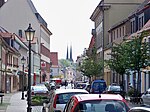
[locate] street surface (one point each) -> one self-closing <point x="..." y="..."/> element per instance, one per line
<point x="15" y="104"/>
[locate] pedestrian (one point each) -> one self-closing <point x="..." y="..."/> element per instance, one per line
<point x="65" y="83"/>
<point x="71" y="84"/>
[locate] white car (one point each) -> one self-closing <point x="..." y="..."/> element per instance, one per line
<point x="146" y="97"/>
<point x="59" y="98"/>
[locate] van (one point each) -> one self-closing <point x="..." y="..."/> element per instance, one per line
<point x="98" y="86"/>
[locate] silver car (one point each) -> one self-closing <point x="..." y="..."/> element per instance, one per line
<point x="146" y="97"/>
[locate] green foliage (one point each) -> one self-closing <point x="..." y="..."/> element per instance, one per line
<point x="91" y="66"/>
<point x="130" y="55"/>
<point x="64" y="63"/>
<point x="139" y="55"/>
<point x="38" y="100"/>
<point x="131" y="92"/>
<point x="119" y="57"/>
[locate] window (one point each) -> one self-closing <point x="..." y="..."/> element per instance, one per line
<point x="123" y="31"/>
<point x="20" y="33"/>
<point x="140" y="21"/>
<point x="111" y="37"/>
<point x="120" y="32"/>
<point x="114" y="35"/>
<point x="117" y="33"/>
<point x="133" y="25"/>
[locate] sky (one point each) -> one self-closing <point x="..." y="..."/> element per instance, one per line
<point x="70" y="24"/>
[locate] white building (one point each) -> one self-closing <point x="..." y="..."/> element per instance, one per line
<point x="15" y="16"/>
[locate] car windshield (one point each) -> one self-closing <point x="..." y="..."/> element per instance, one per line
<point x="115" y="88"/>
<point x="103" y="105"/>
<point x="63" y="98"/>
<point x="39" y="88"/>
<point x="99" y="85"/>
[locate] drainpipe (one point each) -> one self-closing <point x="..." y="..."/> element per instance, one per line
<point x="0" y="66"/>
<point x="6" y="64"/>
<point x="103" y="36"/>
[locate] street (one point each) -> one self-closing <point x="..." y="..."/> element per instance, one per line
<point x="15" y="104"/>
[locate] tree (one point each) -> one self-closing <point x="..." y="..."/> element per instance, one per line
<point x="118" y="61"/>
<point x="139" y="55"/>
<point x="64" y="63"/>
<point x="91" y="66"/>
<point x="130" y="55"/>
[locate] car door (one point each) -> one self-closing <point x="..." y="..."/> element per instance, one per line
<point x="70" y="106"/>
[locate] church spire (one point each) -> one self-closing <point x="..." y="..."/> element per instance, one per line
<point x="67" y="56"/>
<point x="71" y="53"/>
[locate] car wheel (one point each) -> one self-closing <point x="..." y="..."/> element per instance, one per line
<point x="141" y="101"/>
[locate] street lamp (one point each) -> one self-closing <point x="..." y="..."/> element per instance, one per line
<point x="23" y="60"/>
<point x="29" y="36"/>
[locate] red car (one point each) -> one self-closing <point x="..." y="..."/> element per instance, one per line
<point x="96" y="103"/>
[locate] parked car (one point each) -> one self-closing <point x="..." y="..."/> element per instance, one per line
<point x="39" y="90"/>
<point x="115" y="89"/>
<point x="96" y="103"/>
<point x="98" y="86"/>
<point x="82" y="85"/>
<point x="64" y="83"/>
<point x="39" y="93"/>
<point x="146" y="97"/>
<point x="140" y="109"/>
<point x="60" y="97"/>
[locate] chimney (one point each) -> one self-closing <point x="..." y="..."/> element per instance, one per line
<point x="2" y="2"/>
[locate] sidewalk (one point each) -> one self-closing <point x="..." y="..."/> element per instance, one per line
<point x="6" y="102"/>
<point x="12" y="103"/>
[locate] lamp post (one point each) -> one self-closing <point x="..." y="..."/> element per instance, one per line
<point x="29" y="36"/>
<point x="23" y="60"/>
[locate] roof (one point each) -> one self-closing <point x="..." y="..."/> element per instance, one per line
<point x="59" y="91"/>
<point x="84" y="97"/>
<point x="118" y="24"/>
<point x="92" y="42"/>
<point x="146" y="26"/>
<point x="140" y="7"/>
<point x="2" y="30"/>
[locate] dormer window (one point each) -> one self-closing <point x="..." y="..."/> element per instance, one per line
<point x="133" y="26"/>
<point x="140" y="21"/>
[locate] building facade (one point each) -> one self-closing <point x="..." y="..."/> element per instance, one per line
<point x="24" y="12"/>
<point x="103" y="18"/>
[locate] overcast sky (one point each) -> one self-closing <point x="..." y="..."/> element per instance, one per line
<point x="69" y="21"/>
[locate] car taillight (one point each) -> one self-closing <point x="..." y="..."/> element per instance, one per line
<point x="54" y="104"/>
